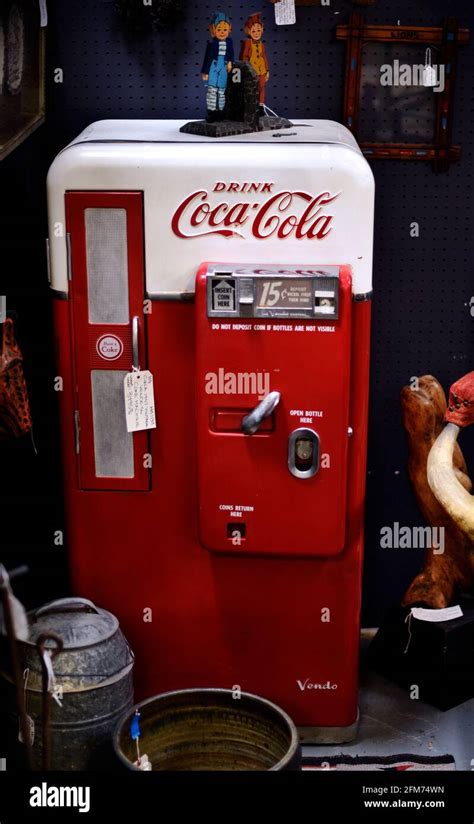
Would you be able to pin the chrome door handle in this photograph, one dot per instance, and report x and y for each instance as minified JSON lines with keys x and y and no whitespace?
{"x":135,"y":354}
{"x":251,"y":422}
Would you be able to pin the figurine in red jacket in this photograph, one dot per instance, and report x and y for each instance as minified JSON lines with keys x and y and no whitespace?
{"x":253,"y":51}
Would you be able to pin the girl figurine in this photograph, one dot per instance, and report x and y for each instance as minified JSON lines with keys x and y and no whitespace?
{"x":217,"y":65}
{"x":253,"y":51}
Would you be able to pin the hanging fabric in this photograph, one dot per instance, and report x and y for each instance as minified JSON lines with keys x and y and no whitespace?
{"x":15,"y":416}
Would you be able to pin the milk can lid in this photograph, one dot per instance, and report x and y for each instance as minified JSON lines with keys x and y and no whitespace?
{"x":77,"y":620}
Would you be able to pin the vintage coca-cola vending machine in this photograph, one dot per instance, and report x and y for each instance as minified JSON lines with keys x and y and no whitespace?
{"x":228,"y":534}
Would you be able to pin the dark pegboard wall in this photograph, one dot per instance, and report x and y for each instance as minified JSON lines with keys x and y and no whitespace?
{"x":422,"y":321}
{"x":109,"y":70}
{"x":423,"y":285}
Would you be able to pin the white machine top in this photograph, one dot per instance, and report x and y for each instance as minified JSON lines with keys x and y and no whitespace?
{"x":168,"y":131}
{"x":246,"y":198}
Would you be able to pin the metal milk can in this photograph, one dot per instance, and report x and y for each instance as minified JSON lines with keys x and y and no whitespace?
{"x":78,"y":652}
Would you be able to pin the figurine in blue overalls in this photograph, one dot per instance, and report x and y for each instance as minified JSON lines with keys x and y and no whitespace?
{"x":217,"y":65}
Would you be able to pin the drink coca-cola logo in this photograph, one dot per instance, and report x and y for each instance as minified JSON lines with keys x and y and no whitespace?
{"x":283,"y":214}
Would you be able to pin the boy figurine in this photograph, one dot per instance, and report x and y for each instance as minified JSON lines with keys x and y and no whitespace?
{"x":253,"y":51}
{"x":217,"y":65}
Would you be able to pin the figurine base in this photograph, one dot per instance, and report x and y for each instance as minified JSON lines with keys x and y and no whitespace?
{"x":438,"y":658}
{"x":229,"y":128}
{"x":271,"y":124}
{"x":221,"y":128}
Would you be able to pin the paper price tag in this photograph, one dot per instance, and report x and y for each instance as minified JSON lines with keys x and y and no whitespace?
{"x":139,"y":401}
{"x":285,"y":13}
{"x":144,"y":763}
{"x":43,"y":13}
{"x":434,"y":615}
{"x":429,"y":76}
{"x":58,"y":694}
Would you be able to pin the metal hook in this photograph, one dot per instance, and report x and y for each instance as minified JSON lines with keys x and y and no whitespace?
{"x":47,"y":655}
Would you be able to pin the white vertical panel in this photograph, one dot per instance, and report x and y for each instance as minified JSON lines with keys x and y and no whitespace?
{"x":113,"y":445}
{"x":107,"y":266}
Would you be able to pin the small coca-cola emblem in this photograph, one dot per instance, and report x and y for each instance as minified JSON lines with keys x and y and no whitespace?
{"x":109,"y":347}
{"x":285,"y":214}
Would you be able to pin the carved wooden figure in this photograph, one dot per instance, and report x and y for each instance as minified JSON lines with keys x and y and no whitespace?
{"x":440,"y":480}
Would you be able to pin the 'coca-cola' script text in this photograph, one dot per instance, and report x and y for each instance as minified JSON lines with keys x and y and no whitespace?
{"x":284,"y":214}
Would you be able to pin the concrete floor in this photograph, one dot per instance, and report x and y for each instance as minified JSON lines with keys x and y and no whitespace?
{"x":391,"y":722}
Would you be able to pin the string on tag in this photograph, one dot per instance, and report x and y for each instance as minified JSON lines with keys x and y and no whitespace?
{"x":26,"y":675}
{"x":142,"y":762}
{"x":49,"y":669}
{"x":48,"y":686}
{"x":269,"y":111}
{"x":43,"y":13}
{"x":429,"y":71}
{"x":135,"y":732}
{"x":30,"y":724}
{"x":408,"y":620}
{"x":54,"y":689}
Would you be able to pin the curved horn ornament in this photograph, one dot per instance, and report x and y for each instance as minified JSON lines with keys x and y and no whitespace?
{"x":457,"y":502}
{"x":441,"y":475}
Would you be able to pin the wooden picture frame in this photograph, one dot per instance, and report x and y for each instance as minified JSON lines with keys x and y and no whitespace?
{"x":446,"y":40}
{"x":22,"y":107}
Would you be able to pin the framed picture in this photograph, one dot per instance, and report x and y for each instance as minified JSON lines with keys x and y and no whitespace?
{"x":22,"y":46}
{"x":399,"y":89}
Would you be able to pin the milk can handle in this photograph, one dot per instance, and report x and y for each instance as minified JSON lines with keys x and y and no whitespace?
{"x":67,"y":605}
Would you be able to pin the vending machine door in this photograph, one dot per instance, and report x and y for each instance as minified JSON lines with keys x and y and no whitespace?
{"x":273,"y":378}
{"x":106,"y":269}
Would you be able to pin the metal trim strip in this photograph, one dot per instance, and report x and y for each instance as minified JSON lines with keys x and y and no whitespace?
{"x":363,"y":296}
{"x":186,"y":296}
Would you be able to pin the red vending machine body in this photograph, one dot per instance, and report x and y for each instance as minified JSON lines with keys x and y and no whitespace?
{"x":277,"y":330}
{"x":228,"y":539}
